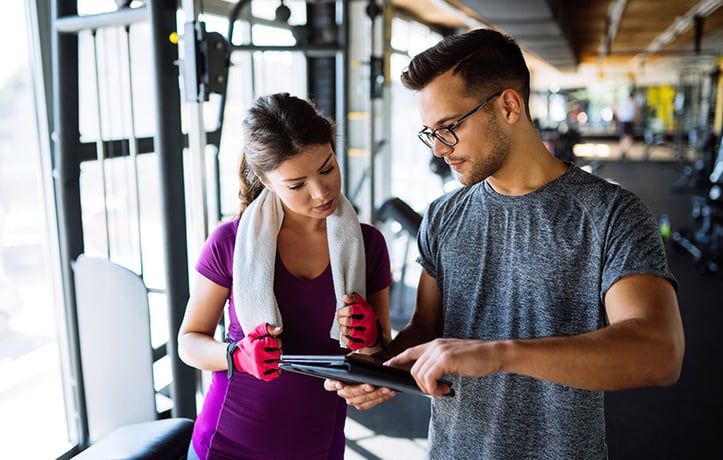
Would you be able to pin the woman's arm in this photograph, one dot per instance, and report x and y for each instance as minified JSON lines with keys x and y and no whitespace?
{"x":197,"y":346}
{"x":426,"y":324}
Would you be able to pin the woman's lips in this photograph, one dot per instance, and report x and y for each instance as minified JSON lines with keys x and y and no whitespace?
{"x":325,"y":207}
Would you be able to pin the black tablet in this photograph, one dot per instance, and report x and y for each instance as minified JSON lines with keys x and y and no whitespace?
{"x":352,"y":368}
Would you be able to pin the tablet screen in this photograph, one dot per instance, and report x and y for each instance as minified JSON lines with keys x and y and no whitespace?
{"x":352,"y":368}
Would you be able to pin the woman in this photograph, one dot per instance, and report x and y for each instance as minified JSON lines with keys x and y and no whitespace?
{"x":251,"y":409}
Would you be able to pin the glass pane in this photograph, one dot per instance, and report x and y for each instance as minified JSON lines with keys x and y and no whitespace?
{"x":31,"y":391}
{"x":117,"y":99}
{"x":270,"y":74}
{"x":411,"y":160}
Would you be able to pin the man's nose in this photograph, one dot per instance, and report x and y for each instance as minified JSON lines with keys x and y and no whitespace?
{"x":441,"y":149}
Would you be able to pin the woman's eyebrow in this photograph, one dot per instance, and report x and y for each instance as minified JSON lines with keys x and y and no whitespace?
{"x":323,"y":165}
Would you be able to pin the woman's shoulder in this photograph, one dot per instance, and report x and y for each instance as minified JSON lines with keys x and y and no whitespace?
{"x":227,"y":228}
{"x":224,"y":234}
{"x":373,"y":237}
{"x":370,"y":231}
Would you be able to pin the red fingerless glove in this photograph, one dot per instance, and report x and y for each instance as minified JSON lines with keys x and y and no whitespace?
{"x":364,"y":323}
{"x":257,"y":354}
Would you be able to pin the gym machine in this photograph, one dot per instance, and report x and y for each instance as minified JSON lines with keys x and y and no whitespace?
{"x":705,"y":244}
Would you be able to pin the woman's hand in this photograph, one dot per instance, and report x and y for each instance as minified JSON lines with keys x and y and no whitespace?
{"x":360,"y":396}
{"x":358,"y":323}
{"x":259,"y":352}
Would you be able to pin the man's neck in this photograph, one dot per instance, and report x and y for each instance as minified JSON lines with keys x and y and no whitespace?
{"x":526,"y":172}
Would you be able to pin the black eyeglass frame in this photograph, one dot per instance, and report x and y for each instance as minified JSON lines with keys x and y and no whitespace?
{"x":427,"y":137}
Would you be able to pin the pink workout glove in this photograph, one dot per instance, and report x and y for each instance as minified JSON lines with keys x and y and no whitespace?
{"x":257,"y":354}
{"x":364,"y":323}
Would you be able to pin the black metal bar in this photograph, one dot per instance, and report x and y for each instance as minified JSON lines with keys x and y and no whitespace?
{"x":117,"y":148}
{"x":346,"y":91}
{"x":169,"y":143}
{"x":66,"y":178}
{"x":114,"y":148}
{"x":160,"y":352}
{"x":699,"y":21}
{"x":323,"y":50}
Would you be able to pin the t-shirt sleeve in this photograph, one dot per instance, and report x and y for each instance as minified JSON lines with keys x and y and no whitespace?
{"x":425,"y":243}
{"x":216,"y":259}
{"x":378,"y":268}
{"x":633,"y":244}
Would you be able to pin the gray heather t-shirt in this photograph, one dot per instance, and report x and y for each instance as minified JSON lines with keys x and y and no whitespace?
{"x":529,"y":266}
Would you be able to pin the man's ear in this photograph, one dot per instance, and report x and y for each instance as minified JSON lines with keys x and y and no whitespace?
{"x":513,"y":106}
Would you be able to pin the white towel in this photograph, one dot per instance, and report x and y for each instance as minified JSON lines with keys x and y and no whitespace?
{"x":255,"y":256}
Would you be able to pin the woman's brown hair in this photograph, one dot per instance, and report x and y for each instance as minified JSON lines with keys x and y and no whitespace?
{"x":276,"y":128}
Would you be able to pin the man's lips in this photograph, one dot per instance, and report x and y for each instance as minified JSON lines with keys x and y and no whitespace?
{"x":455,"y":164}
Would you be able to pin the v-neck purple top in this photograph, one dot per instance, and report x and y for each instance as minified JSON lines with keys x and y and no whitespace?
{"x":292,"y":416}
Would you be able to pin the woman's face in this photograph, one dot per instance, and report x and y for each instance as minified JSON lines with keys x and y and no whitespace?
{"x":308,"y":184}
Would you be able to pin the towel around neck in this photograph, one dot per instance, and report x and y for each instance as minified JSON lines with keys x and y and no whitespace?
{"x":255,"y":256}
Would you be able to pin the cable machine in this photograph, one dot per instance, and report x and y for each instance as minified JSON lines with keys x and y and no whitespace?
{"x":110,"y":148}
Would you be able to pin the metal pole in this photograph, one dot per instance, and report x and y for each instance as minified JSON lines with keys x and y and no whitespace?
{"x":100,"y":148}
{"x":372,"y":12}
{"x":169,"y":144}
{"x":66,"y":177}
{"x":133,"y":146}
{"x":197,"y":184}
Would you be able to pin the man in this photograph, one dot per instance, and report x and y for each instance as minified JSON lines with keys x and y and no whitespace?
{"x":543,"y":286}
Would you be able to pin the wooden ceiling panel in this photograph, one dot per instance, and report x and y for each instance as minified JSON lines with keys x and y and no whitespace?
{"x":640,"y":25}
{"x":587,"y":27}
{"x":712,"y":39}
{"x":643,"y":20}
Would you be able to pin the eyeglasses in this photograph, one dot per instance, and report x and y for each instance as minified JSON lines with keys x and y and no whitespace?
{"x":445,"y":134}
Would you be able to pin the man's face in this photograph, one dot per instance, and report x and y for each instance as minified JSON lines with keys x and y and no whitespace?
{"x":483,"y":143}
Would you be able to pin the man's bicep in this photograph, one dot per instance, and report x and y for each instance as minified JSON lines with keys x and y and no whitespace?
{"x":641,"y":296}
{"x":644,"y":308}
{"x":426,"y":323}
{"x":428,"y":308}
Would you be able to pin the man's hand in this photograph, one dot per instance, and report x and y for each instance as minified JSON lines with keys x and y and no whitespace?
{"x":358,"y":323}
{"x":432,"y":360}
{"x":360,"y":396}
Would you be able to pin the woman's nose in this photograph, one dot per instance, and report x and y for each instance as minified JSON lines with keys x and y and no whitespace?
{"x":319,"y":190}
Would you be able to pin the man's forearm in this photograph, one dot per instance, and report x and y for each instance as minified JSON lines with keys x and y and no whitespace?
{"x":409,"y":336}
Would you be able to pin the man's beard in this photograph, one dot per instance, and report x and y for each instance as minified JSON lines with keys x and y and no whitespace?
{"x":487,"y":165}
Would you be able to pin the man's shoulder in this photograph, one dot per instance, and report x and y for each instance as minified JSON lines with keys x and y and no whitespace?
{"x":454,"y":198}
{"x":578,"y":178}
{"x":598,"y":195}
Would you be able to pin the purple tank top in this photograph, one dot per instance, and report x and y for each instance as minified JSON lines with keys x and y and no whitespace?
{"x":291,"y":417}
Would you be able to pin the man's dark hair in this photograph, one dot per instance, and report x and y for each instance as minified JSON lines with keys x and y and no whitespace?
{"x":487,"y":60}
